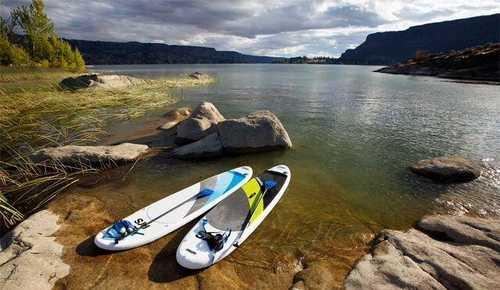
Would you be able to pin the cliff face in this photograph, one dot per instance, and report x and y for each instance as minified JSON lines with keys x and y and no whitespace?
{"x":477,"y":63}
{"x":101,"y":52}
{"x":396,"y":46}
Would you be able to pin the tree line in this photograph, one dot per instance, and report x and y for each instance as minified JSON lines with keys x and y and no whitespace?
{"x":308,"y":60}
{"x":28,"y":38}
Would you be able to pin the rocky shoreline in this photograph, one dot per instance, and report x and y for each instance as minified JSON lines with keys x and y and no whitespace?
{"x":473,"y":64}
{"x":54,"y":248}
{"x":30,"y":254}
{"x":442,"y":252}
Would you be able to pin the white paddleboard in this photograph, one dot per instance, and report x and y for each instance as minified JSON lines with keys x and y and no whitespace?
{"x":235,"y":219}
{"x":174,"y":211}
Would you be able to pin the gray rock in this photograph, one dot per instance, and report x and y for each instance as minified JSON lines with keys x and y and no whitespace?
{"x":209,"y":111}
{"x":200,"y":76}
{"x":176,"y":116}
{"x":447,"y":169}
{"x":258,"y":131}
{"x":200,"y":124}
{"x":210,"y":146}
{"x":30,"y":257}
{"x":117,"y":81}
{"x":99,"y":81}
{"x":92,"y":155}
{"x":445,"y":253}
{"x":464,"y":230}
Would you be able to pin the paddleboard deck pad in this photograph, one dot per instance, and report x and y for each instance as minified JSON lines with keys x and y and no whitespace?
{"x":172,"y":212}
{"x":233,"y":220}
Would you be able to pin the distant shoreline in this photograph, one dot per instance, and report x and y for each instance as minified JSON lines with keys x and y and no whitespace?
{"x":473,"y":65}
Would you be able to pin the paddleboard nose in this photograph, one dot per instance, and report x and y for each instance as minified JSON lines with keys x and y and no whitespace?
{"x":194,"y":260}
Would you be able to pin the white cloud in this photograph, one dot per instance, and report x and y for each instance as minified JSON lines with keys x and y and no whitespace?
{"x":273,"y":27}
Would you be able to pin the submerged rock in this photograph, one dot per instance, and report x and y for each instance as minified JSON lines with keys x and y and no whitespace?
{"x":447,"y":169}
{"x":259,"y":131}
{"x":29,"y":255}
{"x":199,"y":124}
{"x":176,"y":116}
{"x":93,"y":155}
{"x":443,"y":253}
{"x":152,"y":266}
{"x":316,"y":275}
{"x":99,"y":81}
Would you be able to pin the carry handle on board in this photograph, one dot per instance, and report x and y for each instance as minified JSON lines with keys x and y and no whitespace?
{"x":268,"y":184}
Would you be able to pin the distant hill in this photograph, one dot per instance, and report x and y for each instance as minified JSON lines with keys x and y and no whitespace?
{"x":102,"y":52}
{"x":392,"y":47}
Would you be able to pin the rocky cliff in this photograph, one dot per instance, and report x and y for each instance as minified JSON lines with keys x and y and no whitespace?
{"x":384,"y":48}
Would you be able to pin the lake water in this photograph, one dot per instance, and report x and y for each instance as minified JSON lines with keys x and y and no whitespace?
{"x":355,"y":132}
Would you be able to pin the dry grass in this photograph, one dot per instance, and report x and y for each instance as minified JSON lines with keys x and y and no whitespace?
{"x":31,"y":106}
{"x":36,"y":113}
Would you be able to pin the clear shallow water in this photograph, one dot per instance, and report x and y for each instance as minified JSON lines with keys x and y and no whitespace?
{"x":354,"y":132}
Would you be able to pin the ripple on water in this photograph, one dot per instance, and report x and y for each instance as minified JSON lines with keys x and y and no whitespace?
{"x":480,"y":197}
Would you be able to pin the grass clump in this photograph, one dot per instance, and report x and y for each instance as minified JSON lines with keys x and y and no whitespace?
{"x":27,"y":185}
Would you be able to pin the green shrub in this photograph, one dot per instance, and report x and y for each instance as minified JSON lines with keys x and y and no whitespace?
{"x":45,"y":47}
{"x":11,"y":54}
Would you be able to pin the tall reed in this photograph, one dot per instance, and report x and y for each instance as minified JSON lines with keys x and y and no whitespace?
{"x":35,"y":112}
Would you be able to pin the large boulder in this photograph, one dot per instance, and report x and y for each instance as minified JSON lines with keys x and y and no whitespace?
{"x":443,"y":253}
{"x":200,"y":124}
{"x":447,"y":169}
{"x":30,"y":257}
{"x":174,"y":117}
{"x":92,"y":155}
{"x":258,"y":131}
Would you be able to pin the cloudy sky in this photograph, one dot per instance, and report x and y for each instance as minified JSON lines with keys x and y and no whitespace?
{"x":262,"y":27}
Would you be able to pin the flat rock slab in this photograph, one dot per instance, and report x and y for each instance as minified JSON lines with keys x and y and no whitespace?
{"x":30,"y":258}
{"x":100,"y":81}
{"x":447,"y":169}
{"x":92,"y":155}
{"x":443,"y":253}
